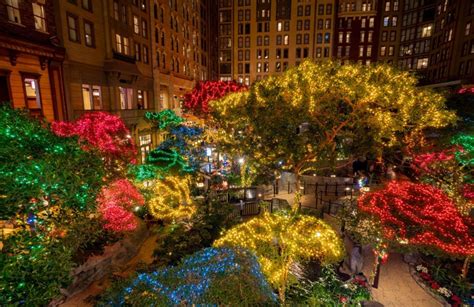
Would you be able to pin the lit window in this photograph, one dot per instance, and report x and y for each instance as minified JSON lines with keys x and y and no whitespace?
{"x":122,"y":44}
{"x":116,"y":10}
{"x":33,"y":97}
{"x":40,"y":19}
{"x":87,"y":5}
{"x":369,"y":50}
{"x":91,"y":97}
{"x":145,"y":54}
{"x":422,"y":63}
{"x":348,"y":37}
{"x":145,"y":145}
{"x":136,"y":25}
{"x":144,"y":29}
{"x":89,"y":34}
{"x":467,"y":29}
{"x":383,"y":50}
{"x":361,"y":51}
{"x":73,"y":28}
{"x":279,"y":26}
{"x":387,"y":6}
{"x":138,"y":52}
{"x":126,"y":98}
{"x":371,"y":22}
{"x":13,"y":11}
{"x":427,"y":30}
{"x":142,"y":99}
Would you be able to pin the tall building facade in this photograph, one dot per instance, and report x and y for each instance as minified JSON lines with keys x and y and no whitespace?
{"x":131,"y":56}
{"x":431,"y":38}
{"x":31,"y":58}
{"x":264,"y":37}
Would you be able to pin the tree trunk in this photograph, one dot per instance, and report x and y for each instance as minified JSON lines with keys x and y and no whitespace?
{"x":296,"y":201}
{"x":465,"y":267}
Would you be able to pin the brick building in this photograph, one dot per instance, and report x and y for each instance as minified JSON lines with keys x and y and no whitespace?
{"x":31,"y":58}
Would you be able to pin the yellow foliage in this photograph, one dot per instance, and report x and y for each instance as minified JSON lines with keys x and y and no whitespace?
{"x":171,"y":199}
{"x":281,"y":240}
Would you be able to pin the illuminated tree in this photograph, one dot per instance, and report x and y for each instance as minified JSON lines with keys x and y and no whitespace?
{"x":450,"y":170}
{"x":115,"y":203}
{"x":100,"y":131}
{"x":198,"y":100}
{"x":170,"y":199}
{"x":279,"y":241}
{"x":212,"y":276}
{"x":318,"y":113}
{"x":39,"y":170}
{"x":418,"y":216}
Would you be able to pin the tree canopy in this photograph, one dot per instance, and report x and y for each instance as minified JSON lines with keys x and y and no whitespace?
{"x":315,"y":113}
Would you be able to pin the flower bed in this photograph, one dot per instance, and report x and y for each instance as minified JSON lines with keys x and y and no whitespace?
{"x":436,"y":287}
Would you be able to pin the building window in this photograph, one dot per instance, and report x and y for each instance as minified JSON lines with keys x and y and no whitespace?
{"x":116,"y":10}
{"x":467,"y":29}
{"x":390,"y":50}
{"x":91,"y":97}
{"x":87,"y":5}
{"x":13,"y":11}
{"x":426,"y":31}
{"x":383,"y":50}
{"x":279,"y":26}
{"x":144,"y":29}
{"x":40,"y":18}
{"x":145,"y":54}
{"x":138,"y":52}
{"x":142,"y":99}
{"x":145,"y":146}
{"x":348,"y":37}
{"x":387,"y":6}
{"x":361,"y":51}
{"x":121,"y":44}
{"x":422,"y":63}
{"x":369,"y":50}
{"x":363,"y":21}
{"x":126,"y":98}
{"x":73,"y":28}
{"x":136,"y":25}
{"x":32,"y":93}
{"x":386,"y":21}
{"x":89,"y":36}
{"x":371,"y":22}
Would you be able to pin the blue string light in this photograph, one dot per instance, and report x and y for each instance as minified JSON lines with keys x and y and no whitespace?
{"x":196,"y":273}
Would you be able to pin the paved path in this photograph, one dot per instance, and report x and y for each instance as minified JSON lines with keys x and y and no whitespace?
{"x":396,"y":286}
{"x":145,"y":255}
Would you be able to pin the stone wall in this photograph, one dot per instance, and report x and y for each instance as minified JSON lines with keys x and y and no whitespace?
{"x":114,"y":258}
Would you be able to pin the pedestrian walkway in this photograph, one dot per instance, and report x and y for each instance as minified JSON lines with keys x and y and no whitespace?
{"x":396,"y":286}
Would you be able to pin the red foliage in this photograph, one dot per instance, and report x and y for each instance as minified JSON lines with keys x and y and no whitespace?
{"x":115,"y":202}
{"x":469,"y":191}
{"x":198,"y":100}
{"x":420,"y":215}
{"x":102,"y":131}
{"x":425,"y":162}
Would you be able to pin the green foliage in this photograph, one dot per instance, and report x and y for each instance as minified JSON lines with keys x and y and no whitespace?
{"x":179,"y":240}
{"x":35,"y":164}
{"x":164,"y":119}
{"x":340,"y":110}
{"x":328,"y":291}
{"x":32,"y":269}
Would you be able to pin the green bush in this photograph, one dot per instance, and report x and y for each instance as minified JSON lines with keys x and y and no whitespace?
{"x":217,"y":276}
{"x":33,"y":269}
{"x":328,"y":291}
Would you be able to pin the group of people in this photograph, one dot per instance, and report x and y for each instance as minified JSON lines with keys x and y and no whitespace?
{"x":374,"y":171}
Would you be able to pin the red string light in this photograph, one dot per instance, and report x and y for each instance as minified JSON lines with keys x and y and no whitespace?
{"x":425,"y":162}
{"x":420,"y":214}
{"x":102,"y":131}
{"x":198,"y":100}
{"x":115,"y":202}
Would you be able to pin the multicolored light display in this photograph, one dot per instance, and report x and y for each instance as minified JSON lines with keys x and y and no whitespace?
{"x":198,"y":100}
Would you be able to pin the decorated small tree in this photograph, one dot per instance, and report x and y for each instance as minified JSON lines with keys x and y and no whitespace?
{"x":410,"y":216}
{"x":213,"y":276}
{"x":279,"y":241}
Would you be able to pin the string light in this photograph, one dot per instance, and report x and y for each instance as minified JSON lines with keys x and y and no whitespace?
{"x":115,"y":203}
{"x":192,"y":280}
{"x":171,"y":200}
{"x":280,"y":240}
{"x":102,"y":131}
{"x":164,"y":119}
{"x":419,"y":215}
{"x":198,"y":100}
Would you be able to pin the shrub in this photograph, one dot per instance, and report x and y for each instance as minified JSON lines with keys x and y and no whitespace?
{"x":221,"y":276}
